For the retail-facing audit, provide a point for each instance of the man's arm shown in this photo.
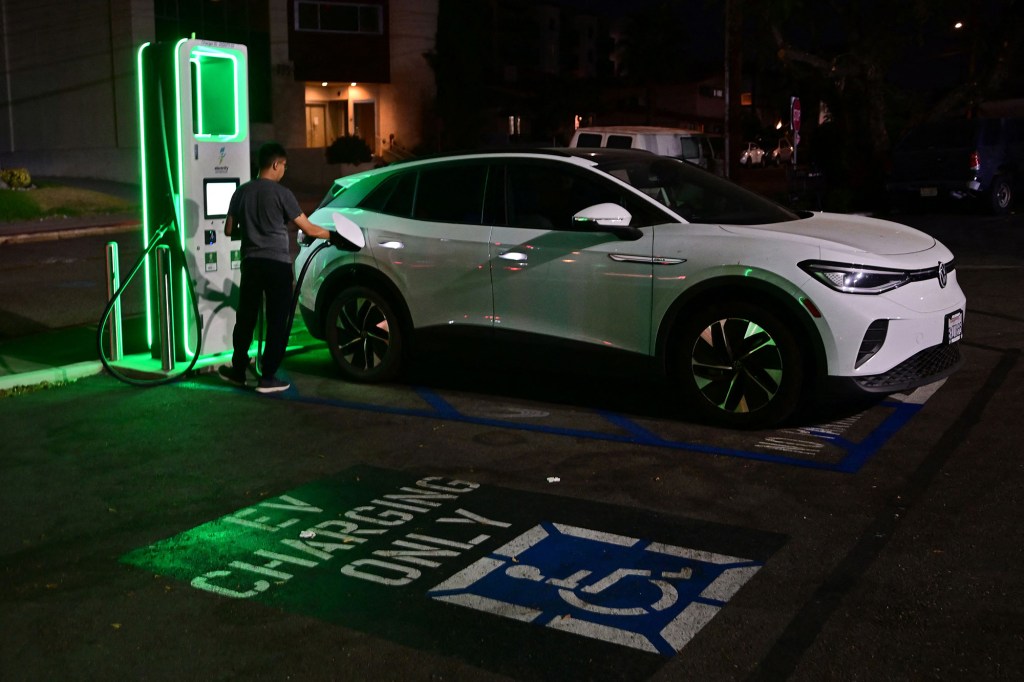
(302, 222)
(229, 225)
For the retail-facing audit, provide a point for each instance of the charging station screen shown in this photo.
(217, 196)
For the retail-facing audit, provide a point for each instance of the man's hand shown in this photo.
(311, 230)
(341, 243)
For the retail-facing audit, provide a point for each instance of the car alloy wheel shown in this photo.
(741, 367)
(364, 335)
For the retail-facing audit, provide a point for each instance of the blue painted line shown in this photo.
(861, 452)
(438, 408)
(642, 434)
(441, 406)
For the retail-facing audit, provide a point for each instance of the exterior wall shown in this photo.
(402, 105)
(289, 112)
(405, 104)
(67, 94)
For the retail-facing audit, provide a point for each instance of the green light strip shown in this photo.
(180, 199)
(145, 188)
(197, 55)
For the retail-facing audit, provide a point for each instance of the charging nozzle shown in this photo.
(347, 236)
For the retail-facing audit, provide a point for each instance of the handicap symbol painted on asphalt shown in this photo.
(645, 595)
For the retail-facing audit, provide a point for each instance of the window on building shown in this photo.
(332, 17)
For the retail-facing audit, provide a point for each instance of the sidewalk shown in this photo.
(61, 355)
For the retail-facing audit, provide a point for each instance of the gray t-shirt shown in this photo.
(262, 210)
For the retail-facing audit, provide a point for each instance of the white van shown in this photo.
(680, 143)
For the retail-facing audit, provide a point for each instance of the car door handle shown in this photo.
(516, 256)
(653, 260)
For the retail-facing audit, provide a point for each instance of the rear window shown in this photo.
(619, 142)
(689, 147)
(588, 140)
(394, 196)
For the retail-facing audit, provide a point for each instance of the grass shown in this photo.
(58, 200)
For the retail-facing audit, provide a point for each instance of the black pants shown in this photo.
(270, 279)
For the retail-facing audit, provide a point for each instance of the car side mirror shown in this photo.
(607, 217)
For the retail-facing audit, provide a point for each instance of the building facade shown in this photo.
(318, 69)
(403, 75)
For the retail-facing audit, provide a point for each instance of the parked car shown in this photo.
(679, 143)
(981, 159)
(753, 155)
(744, 306)
(783, 152)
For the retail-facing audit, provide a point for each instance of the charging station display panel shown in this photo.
(217, 196)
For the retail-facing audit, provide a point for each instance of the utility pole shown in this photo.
(733, 81)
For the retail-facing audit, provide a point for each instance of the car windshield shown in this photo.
(694, 194)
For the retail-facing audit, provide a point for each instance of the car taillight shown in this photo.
(975, 161)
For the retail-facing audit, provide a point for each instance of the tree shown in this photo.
(854, 56)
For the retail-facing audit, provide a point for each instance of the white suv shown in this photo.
(743, 305)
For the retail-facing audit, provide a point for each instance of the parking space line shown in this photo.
(854, 454)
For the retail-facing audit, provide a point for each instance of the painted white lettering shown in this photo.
(470, 517)
(420, 497)
(395, 505)
(454, 486)
(203, 583)
(412, 552)
(306, 547)
(261, 523)
(292, 504)
(266, 569)
(385, 518)
(406, 574)
(449, 543)
(332, 546)
(298, 561)
(792, 445)
(344, 528)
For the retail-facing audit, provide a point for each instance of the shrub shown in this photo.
(16, 178)
(349, 149)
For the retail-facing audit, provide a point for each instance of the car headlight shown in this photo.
(856, 279)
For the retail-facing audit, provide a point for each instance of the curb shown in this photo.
(70, 233)
(53, 375)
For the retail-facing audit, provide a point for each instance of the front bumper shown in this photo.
(928, 366)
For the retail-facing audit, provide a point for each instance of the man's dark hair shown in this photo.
(269, 153)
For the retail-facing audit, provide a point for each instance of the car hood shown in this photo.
(856, 233)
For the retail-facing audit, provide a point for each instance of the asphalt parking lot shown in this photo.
(541, 526)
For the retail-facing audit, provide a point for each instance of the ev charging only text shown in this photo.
(321, 539)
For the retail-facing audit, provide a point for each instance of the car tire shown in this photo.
(738, 365)
(364, 335)
(1001, 195)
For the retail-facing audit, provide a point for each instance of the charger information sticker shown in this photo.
(479, 572)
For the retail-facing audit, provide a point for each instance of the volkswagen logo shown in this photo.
(942, 275)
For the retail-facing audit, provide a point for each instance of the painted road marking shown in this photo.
(474, 571)
(842, 446)
(602, 593)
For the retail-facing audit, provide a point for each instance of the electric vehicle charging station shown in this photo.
(194, 153)
(194, 128)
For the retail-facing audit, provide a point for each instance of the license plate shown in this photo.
(954, 326)
(929, 191)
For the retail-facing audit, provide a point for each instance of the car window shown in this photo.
(696, 195)
(619, 142)
(452, 193)
(548, 195)
(394, 196)
(588, 140)
(689, 147)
